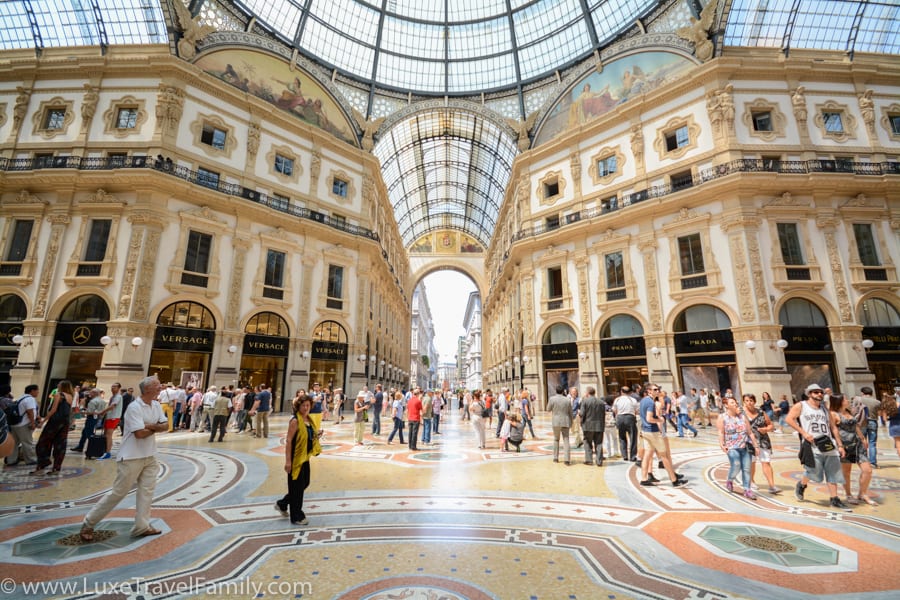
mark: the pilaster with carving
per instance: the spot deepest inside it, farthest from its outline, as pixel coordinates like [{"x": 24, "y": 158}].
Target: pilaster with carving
[
  {"x": 236, "y": 287},
  {"x": 828, "y": 225},
  {"x": 736, "y": 227},
  {"x": 528, "y": 304},
  {"x": 867, "y": 109},
  {"x": 647, "y": 246},
  {"x": 575, "y": 164},
  {"x": 252, "y": 141},
  {"x": 315, "y": 169},
  {"x": 763, "y": 308},
  {"x": 88, "y": 106},
  {"x": 147, "y": 270},
  {"x": 637, "y": 149},
  {"x": 584, "y": 300},
  {"x": 169, "y": 108},
  {"x": 309, "y": 262},
  {"x": 20, "y": 109},
  {"x": 131, "y": 265},
  {"x": 59, "y": 222},
  {"x": 798, "y": 103}
]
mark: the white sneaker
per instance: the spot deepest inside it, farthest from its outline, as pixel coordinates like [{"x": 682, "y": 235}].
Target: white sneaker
[{"x": 754, "y": 487}]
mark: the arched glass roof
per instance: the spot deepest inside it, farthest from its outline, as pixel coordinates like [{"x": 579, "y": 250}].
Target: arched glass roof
[
  {"x": 446, "y": 169},
  {"x": 453, "y": 47}
]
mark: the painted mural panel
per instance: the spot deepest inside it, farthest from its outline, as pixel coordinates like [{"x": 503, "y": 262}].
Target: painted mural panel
[
  {"x": 446, "y": 242},
  {"x": 272, "y": 80},
  {"x": 620, "y": 81}
]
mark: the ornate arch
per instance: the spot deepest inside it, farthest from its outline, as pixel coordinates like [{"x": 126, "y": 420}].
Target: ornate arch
[
  {"x": 689, "y": 302},
  {"x": 831, "y": 315}
]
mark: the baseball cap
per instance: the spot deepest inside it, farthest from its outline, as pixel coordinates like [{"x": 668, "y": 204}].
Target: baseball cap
[{"x": 813, "y": 387}]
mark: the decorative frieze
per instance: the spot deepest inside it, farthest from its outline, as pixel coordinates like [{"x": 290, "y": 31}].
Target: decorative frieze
[
  {"x": 141, "y": 307},
  {"x": 60, "y": 222}
]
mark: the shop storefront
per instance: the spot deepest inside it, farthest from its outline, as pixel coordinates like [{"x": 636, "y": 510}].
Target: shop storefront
[
  {"x": 264, "y": 355},
  {"x": 12, "y": 313},
  {"x": 183, "y": 345},
  {"x": 623, "y": 355},
  {"x": 559, "y": 359},
  {"x": 328, "y": 360},
  {"x": 704, "y": 350},
  {"x": 881, "y": 326},
  {"x": 809, "y": 356},
  {"x": 77, "y": 352}
]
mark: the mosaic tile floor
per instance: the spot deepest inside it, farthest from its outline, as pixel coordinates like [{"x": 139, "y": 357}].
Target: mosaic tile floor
[{"x": 447, "y": 522}]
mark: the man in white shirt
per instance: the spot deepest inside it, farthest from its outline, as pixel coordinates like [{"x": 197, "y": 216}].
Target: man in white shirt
[
  {"x": 136, "y": 463},
  {"x": 23, "y": 432},
  {"x": 111, "y": 416},
  {"x": 626, "y": 409}
]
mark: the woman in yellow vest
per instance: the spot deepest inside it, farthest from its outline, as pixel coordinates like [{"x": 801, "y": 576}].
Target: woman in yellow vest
[{"x": 302, "y": 443}]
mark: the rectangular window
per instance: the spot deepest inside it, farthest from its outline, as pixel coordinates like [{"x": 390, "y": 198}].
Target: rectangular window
[
  {"x": 677, "y": 139},
  {"x": 274, "y": 282},
  {"x": 55, "y": 118},
  {"x": 339, "y": 187},
  {"x": 213, "y": 136},
  {"x": 615, "y": 270},
  {"x": 606, "y": 166},
  {"x": 833, "y": 122},
  {"x": 335, "y": 287},
  {"x": 126, "y": 118},
  {"x": 551, "y": 188},
  {"x": 199, "y": 247},
  {"x": 690, "y": 251},
  {"x": 762, "y": 121},
  {"x": 207, "y": 178},
  {"x": 21, "y": 237},
  {"x": 284, "y": 165},
  {"x": 554, "y": 288},
  {"x": 791, "y": 249},
  {"x": 865, "y": 244},
  {"x": 895, "y": 124},
  {"x": 95, "y": 249}
]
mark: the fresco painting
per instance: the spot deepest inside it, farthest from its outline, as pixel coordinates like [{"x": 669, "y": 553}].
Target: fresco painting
[
  {"x": 620, "y": 81},
  {"x": 271, "y": 79},
  {"x": 446, "y": 242}
]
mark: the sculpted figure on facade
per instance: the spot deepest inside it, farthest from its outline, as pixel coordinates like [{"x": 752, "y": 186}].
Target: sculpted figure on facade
[
  {"x": 192, "y": 32},
  {"x": 169, "y": 107},
  {"x": 726, "y": 103},
  {"x": 252, "y": 139},
  {"x": 368, "y": 128},
  {"x": 714, "y": 110},
  {"x": 522, "y": 128},
  {"x": 867, "y": 109},
  {"x": 89, "y": 105},
  {"x": 20, "y": 108},
  {"x": 798, "y": 101},
  {"x": 637, "y": 144}
]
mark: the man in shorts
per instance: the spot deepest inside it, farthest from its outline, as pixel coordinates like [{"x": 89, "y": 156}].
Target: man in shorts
[
  {"x": 813, "y": 421},
  {"x": 653, "y": 440}
]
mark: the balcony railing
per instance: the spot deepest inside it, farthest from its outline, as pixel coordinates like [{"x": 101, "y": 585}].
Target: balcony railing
[
  {"x": 798, "y": 273},
  {"x": 618, "y": 294},
  {"x": 875, "y": 274},
  {"x": 183, "y": 173},
  {"x": 690, "y": 283},
  {"x": 744, "y": 165}
]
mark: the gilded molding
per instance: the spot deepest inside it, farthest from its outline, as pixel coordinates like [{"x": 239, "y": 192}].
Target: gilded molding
[{"x": 742, "y": 279}]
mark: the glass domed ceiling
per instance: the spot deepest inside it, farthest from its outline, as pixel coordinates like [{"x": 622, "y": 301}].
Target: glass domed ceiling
[{"x": 452, "y": 47}]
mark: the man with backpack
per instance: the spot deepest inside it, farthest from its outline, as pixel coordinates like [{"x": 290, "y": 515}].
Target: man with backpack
[{"x": 22, "y": 418}]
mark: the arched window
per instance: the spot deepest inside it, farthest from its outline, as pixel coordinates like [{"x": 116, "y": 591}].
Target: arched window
[
  {"x": 12, "y": 308},
  {"x": 702, "y": 317},
  {"x": 86, "y": 309},
  {"x": 187, "y": 314},
  {"x": 876, "y": 312},
  {"x": 621, "y": 326},
  {"x": 798, "y": 312},
  {"x": 330, "y": 331},
  {"x": 267, "y": 323},
  {"x": 559, "y": 333}
]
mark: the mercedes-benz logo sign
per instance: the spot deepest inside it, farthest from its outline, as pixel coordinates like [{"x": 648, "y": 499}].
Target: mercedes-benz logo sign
[{"x": 82, "y": 335}]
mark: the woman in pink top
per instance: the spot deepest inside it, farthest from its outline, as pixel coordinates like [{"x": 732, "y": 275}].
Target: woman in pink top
[{"x": 735, "y": 439}]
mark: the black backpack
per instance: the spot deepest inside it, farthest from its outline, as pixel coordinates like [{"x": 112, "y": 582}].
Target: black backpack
[{"x": 12, "y": 413}]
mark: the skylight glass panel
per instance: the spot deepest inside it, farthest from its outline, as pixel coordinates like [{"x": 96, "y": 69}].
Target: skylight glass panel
[
  {"x": 823, "y": 25},
  {"x": 352, "y": 18},
  {"x": 16, "y": 31},
  {"x": 415, "y": 9},
  {"x": 337, "y": 50},
  {"x": 61, "y": 24},
  {"x": 134, "y": 21},
  {"x": 610, "y": 16},
  {"x": 879, "y": 30},
  {"x": 475, "y": 40},
  {"x": 754, "y": 23},
  {"x": 413, "y": 39},
  {"x": 535, "y": 60},
  {"x": 282, "y": 16},
  {"x": 495, "y": 72},
  {"x": 543, "y": 18}
]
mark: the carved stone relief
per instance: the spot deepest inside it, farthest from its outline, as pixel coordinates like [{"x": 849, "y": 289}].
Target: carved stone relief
[
  {"x": 131, "y": 265},
  {"x": 837, "y": 269},
  {"x": 742, "y": 279},
  {"x": 759, "y": 282},
  {"x": 48, "y": 273},
  {"x": 581, "y": 265},
  {"x": 648, "y": 251},
  {"x": 235, "y": 291},
  {"x": 145, "y": 278}
]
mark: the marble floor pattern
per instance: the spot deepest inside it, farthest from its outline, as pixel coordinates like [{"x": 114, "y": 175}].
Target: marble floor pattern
[{"x": 447, "y": 522}]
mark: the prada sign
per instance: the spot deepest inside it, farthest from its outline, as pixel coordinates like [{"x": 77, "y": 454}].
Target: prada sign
[
  {"x": 184, "y": 339},
  {"x": 84, "y": 335},
  {"x": 701, "y": 342},
  {"x": 806, "y": 339},
  {"x": 265, "y": 345},
  {"x": 329, "y": 350},
  {"x": 8, "y": 331},
  {"x": 558, "y": 352},
  {"x": 887, "y": 339},
  {"x": 621, "y": 347}
]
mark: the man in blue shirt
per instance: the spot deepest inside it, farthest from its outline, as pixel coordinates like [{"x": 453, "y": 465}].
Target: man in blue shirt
[
  {"x": 654, "y": 441},
  {"x": 262, "y": 406}
]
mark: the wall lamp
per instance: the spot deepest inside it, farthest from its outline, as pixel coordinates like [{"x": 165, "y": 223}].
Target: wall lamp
[
  {"x": 867, "y": 344},
  {"x": 582, "y": 355},
  {"x": 305, "y": 354},
  {"x": 136, "y": 342},
  {"x": 108, "y": 341},
  {"x": 750, "y": 345},
  {"x": 361, "y": 358},
  {"x": 526, "y": 359},
  {"x": 232, "y": 349},
  {"x": 655, "y": 351},
  {"x": 19, "y": 341},
  {"x": 780, "y": 344}
]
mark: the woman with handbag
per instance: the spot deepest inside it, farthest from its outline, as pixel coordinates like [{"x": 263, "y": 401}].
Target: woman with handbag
[
  {"x": 55, "y": 434},
  {"x": 302, "y": 444},
  {"x": 477, "y": 410},
  {"x": 761, "y": 426},
  {"x": 735, "y": 436},
  {"x": 890, "y": 408},
  {"x": 856, "y": 448}
]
